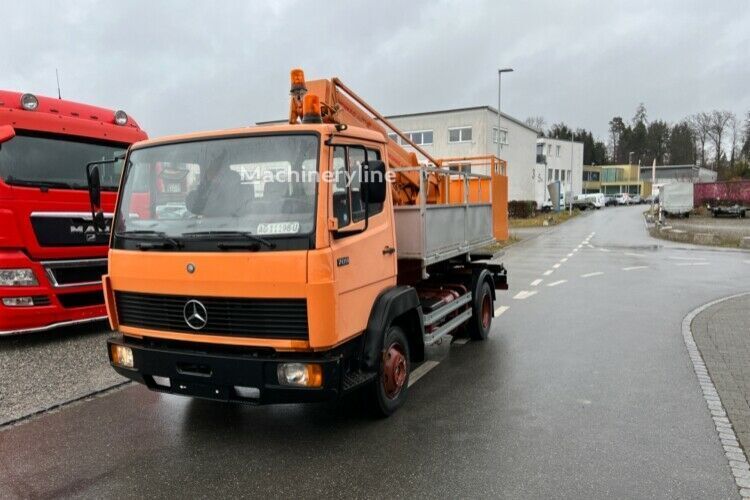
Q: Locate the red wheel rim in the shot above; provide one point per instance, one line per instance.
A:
(394, 370)
(486, 311)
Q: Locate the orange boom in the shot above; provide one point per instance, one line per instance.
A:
(298, 262)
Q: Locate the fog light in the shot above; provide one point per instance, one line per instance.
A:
(300, 374)
(162, 381)
(18, 301)
(247, 392)
(122, 356)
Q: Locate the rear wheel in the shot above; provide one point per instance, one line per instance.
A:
(392, 383)
(481, 319)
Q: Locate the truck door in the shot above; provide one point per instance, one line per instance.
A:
(365, 262)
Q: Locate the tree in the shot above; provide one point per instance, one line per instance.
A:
(657, 142)
(640, 115)
(616, 130)
(734, 137)
(746, 146)
(536, 122)
(681, 148)
(701, 125)
(559, 131)
(719, 122)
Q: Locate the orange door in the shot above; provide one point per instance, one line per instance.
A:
(365, 262)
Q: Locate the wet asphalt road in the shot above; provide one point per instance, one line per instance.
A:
(584, 389)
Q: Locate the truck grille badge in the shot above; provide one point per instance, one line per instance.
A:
(195, 314)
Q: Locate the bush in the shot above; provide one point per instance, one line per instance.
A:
(521, 209)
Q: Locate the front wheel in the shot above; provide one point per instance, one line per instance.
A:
(392, 383)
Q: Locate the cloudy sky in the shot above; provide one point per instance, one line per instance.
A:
(184, 66)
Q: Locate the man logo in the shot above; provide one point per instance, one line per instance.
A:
(195, 314)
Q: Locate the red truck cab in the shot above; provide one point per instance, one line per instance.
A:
(51, 258)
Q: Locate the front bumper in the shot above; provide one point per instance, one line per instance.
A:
(61, 305)
(214, 373)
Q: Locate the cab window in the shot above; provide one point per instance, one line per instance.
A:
(348, 206)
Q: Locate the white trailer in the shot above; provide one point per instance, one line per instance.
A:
(676, 199)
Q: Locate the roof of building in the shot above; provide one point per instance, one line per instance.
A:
(471, 108)
(555, 139)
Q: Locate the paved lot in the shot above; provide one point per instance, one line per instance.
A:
(722, 226)
(40, 371)
(584, 389)
(722, 334)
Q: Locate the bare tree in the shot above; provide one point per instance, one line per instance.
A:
(700, 123)
(536, 122)
(717, 131)
(735, 131)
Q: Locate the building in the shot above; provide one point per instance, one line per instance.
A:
(456, 133)
(592, 179)
(559, 160)
(624, 179)
(684, 173)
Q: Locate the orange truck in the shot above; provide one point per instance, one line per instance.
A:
(300, 261)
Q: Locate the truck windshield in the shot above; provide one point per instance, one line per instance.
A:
(221, 188)
(57, 161)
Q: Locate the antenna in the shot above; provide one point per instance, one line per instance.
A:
(57, 75)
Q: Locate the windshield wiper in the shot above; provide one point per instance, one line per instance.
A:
(165, 241)
(255, 239)
(40, 184)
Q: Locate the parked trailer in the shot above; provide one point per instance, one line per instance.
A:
(292, 290)
(676, 199)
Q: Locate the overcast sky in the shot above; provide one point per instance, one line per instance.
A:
(185, 66)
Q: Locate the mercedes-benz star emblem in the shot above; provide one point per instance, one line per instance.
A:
(195, 314)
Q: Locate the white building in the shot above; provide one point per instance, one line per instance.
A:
(556, 163)
(473, 132)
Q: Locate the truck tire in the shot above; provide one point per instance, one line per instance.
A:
(482, 307)
(391, 386)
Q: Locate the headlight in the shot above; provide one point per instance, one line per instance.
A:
(121, 117)
(29, 102)
(122, 355)
(300, 374)
(17, 277)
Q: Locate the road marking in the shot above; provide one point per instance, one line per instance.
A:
(555, 265)
(605, 249)
(547, 273)
(523, 294)
(589, 245)
(536, 282)
(633, 268)
(564, 259)
(555, 283)
(589, 275)
(501, 310)
(576, 249)
(421, 371)
(691, 258)
(692, 264)
(570, 254)
(634, 254)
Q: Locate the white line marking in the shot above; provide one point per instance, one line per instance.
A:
(691, 258)
(421, 371)
(461, 341)
(635, 254)
(564, 259)
(589, 275)
(605, 249)
(547, 273)
(555, 265)
(589, 245)
(536, 282)
(523, 294)
(692, 264)
(555, 283)
(633, 268)
(570, 254)
(501, 310)
(576, 249)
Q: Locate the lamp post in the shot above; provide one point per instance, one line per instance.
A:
(499, 87)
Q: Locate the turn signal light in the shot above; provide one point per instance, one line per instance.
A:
(121, 355)
(300, 374)
(311, 109)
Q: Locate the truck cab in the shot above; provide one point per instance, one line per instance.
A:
(51, 256)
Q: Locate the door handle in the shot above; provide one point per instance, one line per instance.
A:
(388, 250)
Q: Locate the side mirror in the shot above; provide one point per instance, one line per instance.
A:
(95, 196)
(7, 132)
(374, 183)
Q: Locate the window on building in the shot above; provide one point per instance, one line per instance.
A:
(594, 176)
(503, 136)
(557, 151)
(585, 176)
(557, 174)
(549, 175)
(459, 134)
(549, 149)
(420, 137)
(562, 176)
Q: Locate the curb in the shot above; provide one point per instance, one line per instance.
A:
(732, 450)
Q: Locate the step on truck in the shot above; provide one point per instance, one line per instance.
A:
(51, 257)
(300, 261)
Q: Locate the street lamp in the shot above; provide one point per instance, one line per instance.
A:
(499, 86)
